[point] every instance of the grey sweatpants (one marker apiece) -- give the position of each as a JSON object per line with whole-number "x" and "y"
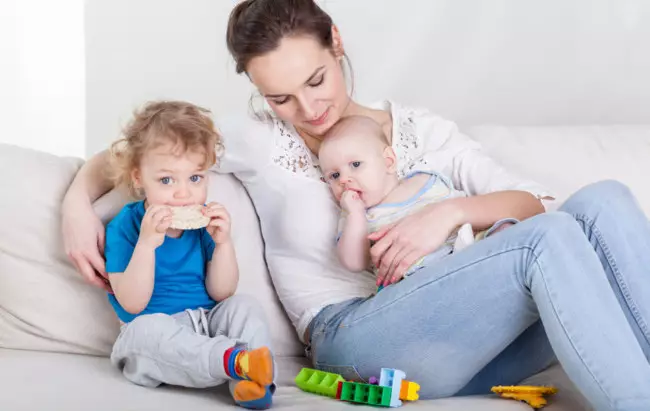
{"x": 187, "y": 348}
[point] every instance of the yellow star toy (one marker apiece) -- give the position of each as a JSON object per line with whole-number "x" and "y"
{"x": 531, "y": 395}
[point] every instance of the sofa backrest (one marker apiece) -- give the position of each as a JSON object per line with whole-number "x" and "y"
{"x": 46, "y": 306}
{"x": 567, "y": 158}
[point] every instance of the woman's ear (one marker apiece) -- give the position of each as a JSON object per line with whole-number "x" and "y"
{"x": 337, "y": 43}
{"x": 391, "y": 159}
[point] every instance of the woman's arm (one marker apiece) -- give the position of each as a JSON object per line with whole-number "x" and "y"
{"x": 91, "y": 181}
{"x": 463, "y": 159}
{"x": 83, "y": 232}
{"x": 482, "y": 211}
{"x": 399, "y": 246}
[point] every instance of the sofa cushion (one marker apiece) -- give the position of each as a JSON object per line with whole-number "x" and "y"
{"x": 45, "y": 305}
{"x": 75, "y": 383}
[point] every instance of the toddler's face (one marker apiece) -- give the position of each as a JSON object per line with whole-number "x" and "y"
{"x": 172, "y": 179}
{"x": 352, "y": 164}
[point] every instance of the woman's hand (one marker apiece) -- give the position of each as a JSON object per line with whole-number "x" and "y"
{"x": 399, "y": 246}
{"x": 83, "y": 239}
{"x": 219, "y": 226}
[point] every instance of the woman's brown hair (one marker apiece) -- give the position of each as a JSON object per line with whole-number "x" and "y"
{"x": 256, "y": 27}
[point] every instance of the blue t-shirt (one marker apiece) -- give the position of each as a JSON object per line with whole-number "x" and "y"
{"x": 180, "y": 269}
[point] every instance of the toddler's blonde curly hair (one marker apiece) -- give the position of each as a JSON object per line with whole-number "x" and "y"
{"x": 185, "y": 125}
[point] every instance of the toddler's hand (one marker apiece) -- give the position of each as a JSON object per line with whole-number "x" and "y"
{"x": 219, "y": 226}
{"x": 351, "y": 202}
{"x": 155, "y": 223}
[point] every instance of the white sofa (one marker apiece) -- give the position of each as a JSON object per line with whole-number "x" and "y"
{"x": 56, "y": 332}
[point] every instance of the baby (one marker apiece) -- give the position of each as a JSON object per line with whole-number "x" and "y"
{"x": 173, "y": 287}
{"x": 361, "y": 170}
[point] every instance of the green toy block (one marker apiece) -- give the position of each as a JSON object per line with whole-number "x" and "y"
{"x": 318, "y": 382}
{"x": 366, "y": 394}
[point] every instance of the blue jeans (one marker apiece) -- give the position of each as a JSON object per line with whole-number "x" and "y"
{"x": 573, "y": 284}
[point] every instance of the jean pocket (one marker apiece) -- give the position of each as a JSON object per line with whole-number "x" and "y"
{"x": 348, "y": 372}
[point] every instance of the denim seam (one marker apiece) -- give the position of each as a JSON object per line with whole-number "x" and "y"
{"x": 622, "y": 285}
{"x": 566, "y": 333}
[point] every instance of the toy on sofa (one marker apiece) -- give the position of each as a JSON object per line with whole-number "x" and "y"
{"x": 391, "y": 388}
{"x": 532, "y": 395}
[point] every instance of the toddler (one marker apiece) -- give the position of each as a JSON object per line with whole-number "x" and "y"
{"x": 173, "y": 288}
{"x": 361, "y": 170}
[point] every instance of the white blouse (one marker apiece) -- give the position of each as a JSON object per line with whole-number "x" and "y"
{"x": 298, "y": 215}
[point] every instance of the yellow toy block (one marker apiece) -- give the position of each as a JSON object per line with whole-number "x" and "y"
{"x": 409, "y": 391}
{"x": 532, "y": 395}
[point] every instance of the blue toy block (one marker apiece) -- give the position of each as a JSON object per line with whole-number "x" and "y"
{"x": 392, "y": 378}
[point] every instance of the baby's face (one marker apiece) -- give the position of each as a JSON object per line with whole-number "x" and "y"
{"x": 172, "y": 179}
{"x": 353, "y": 164}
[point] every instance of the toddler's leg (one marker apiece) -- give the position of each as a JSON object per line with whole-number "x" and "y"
{"x": 240, "y": 318}
{"x": 158, "y": 348}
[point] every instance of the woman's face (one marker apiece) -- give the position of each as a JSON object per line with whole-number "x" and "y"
{"x": 303, "y": 83}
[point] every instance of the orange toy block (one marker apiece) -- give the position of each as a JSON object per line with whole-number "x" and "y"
{"x": 409, "y": 391}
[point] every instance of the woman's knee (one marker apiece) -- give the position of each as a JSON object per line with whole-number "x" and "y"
{"x": 593, "y": 198}
{"x": 553, "y": 235}
{"x": 558, "y": 226}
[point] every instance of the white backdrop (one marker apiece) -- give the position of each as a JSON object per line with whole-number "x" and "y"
{"x": 42, "y": 84}
{"x": 499, "y": 61}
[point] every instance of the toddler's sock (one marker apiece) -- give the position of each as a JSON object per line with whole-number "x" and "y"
{"x": 255, "y": 369}
{"x": 255, "y": 365}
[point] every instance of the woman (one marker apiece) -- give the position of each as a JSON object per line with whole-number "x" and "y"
{"x": 578, "y": 279}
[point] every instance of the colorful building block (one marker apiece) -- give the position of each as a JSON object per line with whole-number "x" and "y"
{"x": 365, "y": 394}
{"x": 392, "y": 378}
{"x": 409, "y": 391}
{"x": 385, "y": 392}
{"x": 318, "y": 382}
